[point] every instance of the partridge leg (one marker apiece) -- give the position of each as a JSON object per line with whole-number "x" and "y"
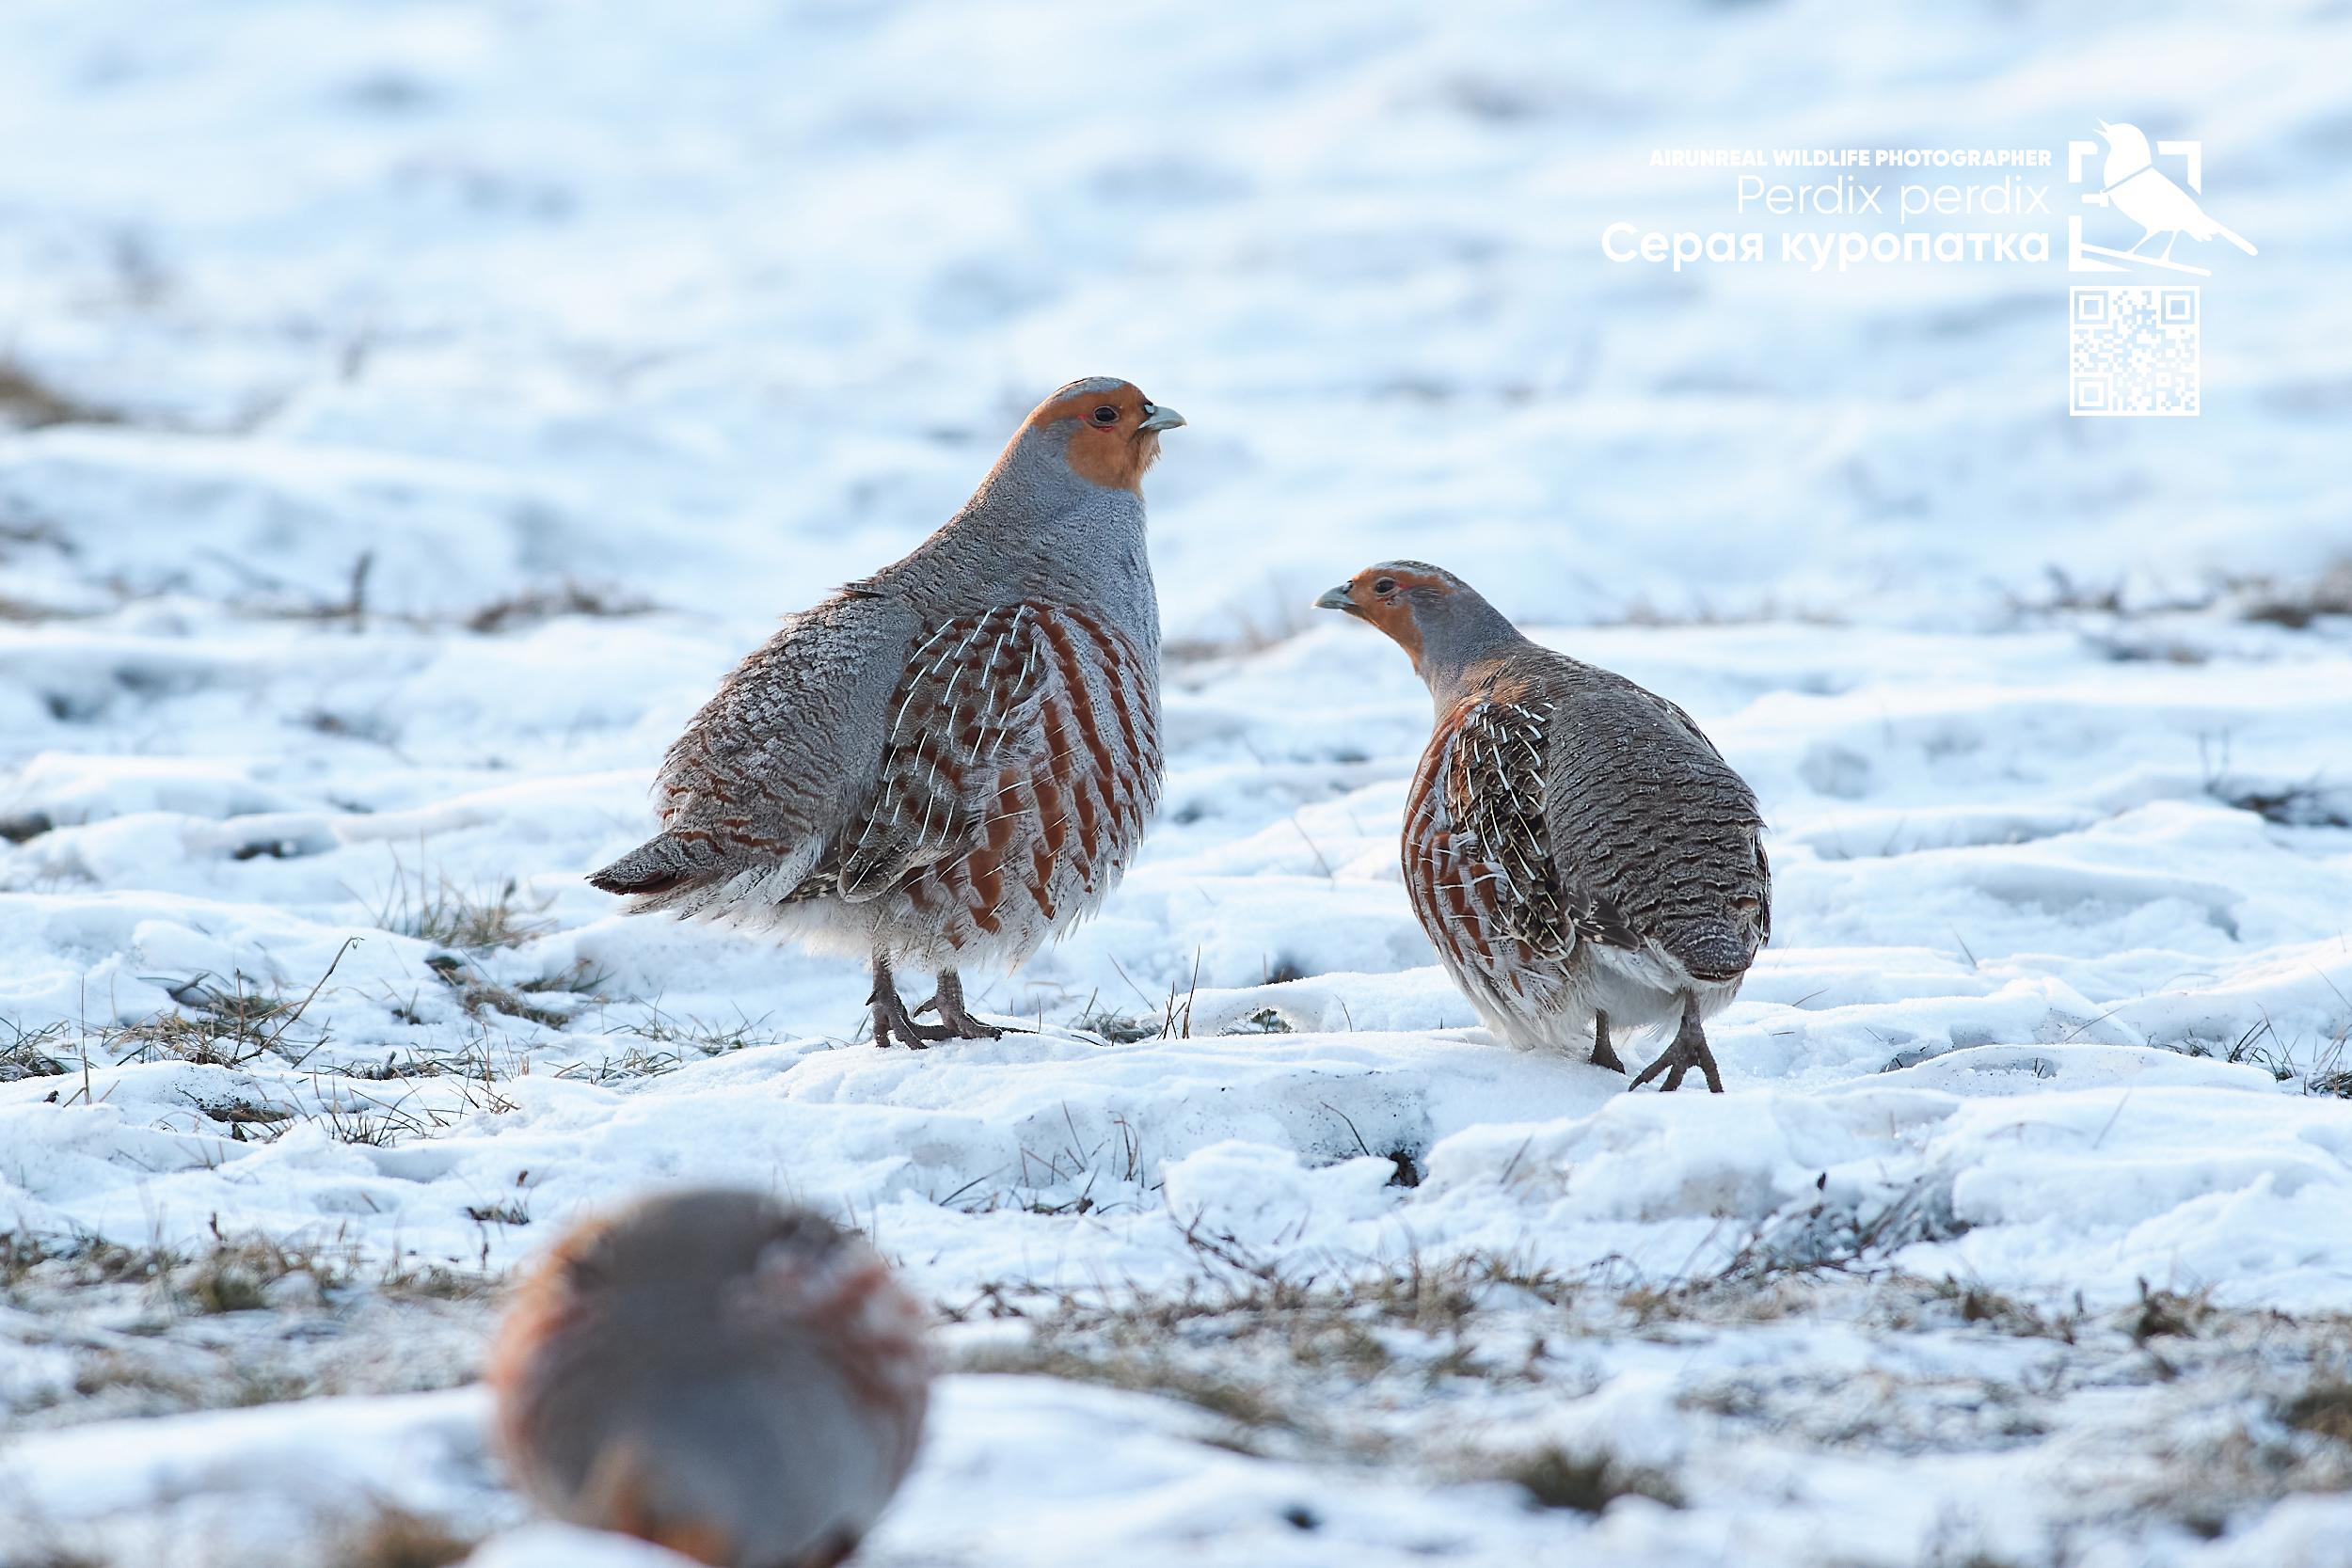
{"x": 1604, "y": 1055}
{"x": 948, "y": 1002}
{"x": 891, "y": 1018}
{"x": 1688, "y": 1051}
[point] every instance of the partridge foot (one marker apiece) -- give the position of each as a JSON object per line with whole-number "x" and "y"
{"x": 1604, "y": 1055}
{"x": 891, "y": 1017}
{"x": 1688, "y": 1051}
{"x": 948, "y": 1002}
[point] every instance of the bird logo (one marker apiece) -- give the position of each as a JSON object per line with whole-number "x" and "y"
{"x": 2131, "y": 184}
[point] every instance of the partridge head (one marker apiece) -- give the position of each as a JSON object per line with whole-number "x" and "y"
{"x": 1107, "y": 430}
{"x": 1441, "y": 621}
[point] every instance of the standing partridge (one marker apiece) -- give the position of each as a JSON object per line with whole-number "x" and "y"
{"x": 953, "y": 759}
{"x": 1578, "y": 851}
{"x": 716, "y": 1373}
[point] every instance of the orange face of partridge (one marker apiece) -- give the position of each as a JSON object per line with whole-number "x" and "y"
{"x": 1117, "y": 434}
{"x": 1384, "y": 595}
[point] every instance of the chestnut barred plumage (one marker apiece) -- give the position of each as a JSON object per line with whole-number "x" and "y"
{"x": 1578, "y": 852}
{"x": 953, "y": 759}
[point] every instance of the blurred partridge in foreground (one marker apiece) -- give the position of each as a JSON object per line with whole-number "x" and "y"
{"x": 953, "y": 759}
{"x": 1578, "y": 852}
{"x": 715, "y": 1372}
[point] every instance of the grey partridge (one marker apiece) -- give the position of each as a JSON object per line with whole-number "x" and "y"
{"x": 953, "y": 759}
{"x": 716, "y": 1373}
{"x": 1578, "y": 852}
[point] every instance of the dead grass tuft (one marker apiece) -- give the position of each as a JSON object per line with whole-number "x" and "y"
{"x": 663, "y": 1043}
{"x": 2297, "y": 605}
{"x": 223, "y": 1024}
{"x": 26, "y": 1056}
{"x": 392, "y": 1537}
{"x": 2211, "y": 1482}
{"x": 434, "y": 1282}
{"x": 54, "y": 1554}
{"x": 231, "y": 1273}
{"x": 231, "y": 1280}
{"x": 31, "y": 401}
{"x": 479, "y": 996}
{"x": 1991, "y": 1308}
{"x": 1553, "y": 1477}
{"x": 2168, "y": 1314}
{"x": 1139, "y": 1372}
{"x": 276, "y": 599}
{"x": 1238, "y": 1340}
{"x": 434, "y": 908}
{"x": 1835, "y": 1236}
{"x": 2309, "y": 803}
{"x": 541, "y": 604}
{"x": 2323, "y": 1408}
{"x": 2294, "y": 604}
{"x": 1116, "y": 1027}
{"x": 2321, "y": 1062}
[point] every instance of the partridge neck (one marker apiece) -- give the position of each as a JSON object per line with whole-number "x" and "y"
{"x": 1038, "y": 536}
{"x": 1464, "y": 653}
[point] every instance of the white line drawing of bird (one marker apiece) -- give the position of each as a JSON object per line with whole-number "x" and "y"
{"x": 2146, "y": 195}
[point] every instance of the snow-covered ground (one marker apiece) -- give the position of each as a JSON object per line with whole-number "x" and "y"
{"x": 408, "y": 411}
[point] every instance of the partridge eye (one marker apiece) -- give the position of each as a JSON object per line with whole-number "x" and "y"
{"x": 1386, "y": 585}
{"x": 1107, "y": 415}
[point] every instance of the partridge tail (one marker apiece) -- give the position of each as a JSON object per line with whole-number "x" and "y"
{"x": 661, "y": 872}
{"x": 1710, "y": 949}
{"x": 2236, "y": 239}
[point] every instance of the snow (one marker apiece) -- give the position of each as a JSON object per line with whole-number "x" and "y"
{"x": 481, "y": 383}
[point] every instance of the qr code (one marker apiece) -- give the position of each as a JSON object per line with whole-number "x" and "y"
{"x": 2132, "y": 350}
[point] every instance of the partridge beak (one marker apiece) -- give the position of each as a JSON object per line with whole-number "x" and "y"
{"x": 1339, "y": 598}
{"x": 1161, "y": 418}
{"x": 2104, "y": 127}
